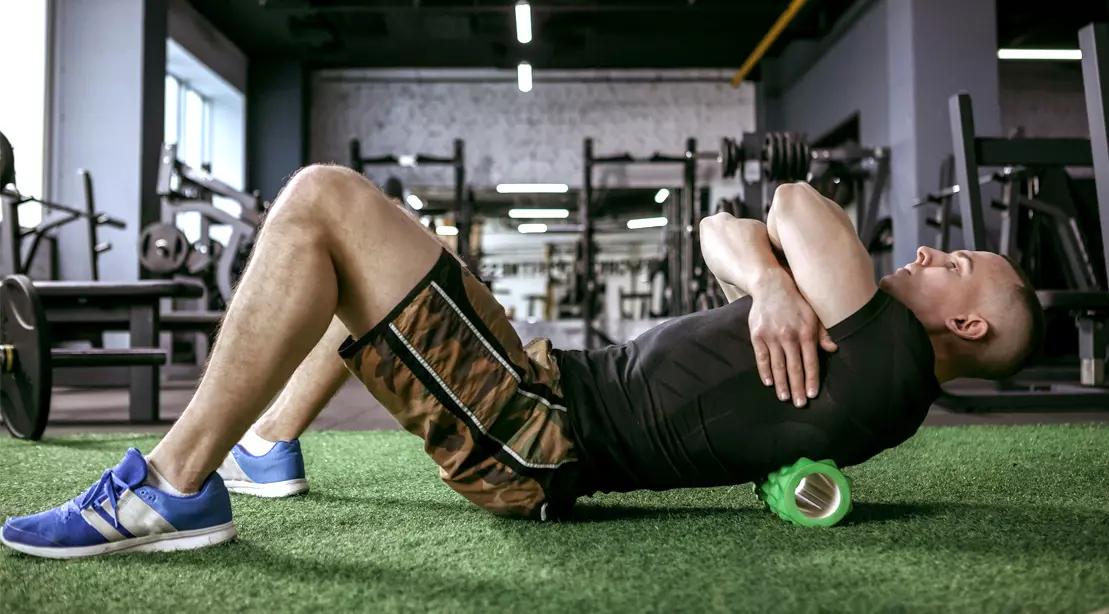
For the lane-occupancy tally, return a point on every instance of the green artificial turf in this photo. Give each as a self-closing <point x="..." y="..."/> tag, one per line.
<point x="978" y="519"/>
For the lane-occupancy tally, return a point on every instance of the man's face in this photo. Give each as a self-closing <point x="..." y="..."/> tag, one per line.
<point x="938" y="286"/>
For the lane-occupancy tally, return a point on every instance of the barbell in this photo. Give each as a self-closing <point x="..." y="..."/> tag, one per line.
<point x="27" y="361"/>
<point x="783" y="156"/>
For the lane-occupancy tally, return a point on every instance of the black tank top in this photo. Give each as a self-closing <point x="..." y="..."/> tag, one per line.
<point x="683" y="405"/>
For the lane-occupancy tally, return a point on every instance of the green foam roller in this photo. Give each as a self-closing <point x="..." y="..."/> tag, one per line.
<point x="807" y="493"/>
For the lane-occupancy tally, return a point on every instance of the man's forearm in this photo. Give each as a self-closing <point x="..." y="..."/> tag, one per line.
<point x="740" y="255"/>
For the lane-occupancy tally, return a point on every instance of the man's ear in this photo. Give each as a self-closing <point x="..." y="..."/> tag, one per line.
<point x="970" y="327"/>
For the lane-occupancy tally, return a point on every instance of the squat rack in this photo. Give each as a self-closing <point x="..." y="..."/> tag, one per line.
<point x="682" y="285"/>
<point x="463" y="206"/>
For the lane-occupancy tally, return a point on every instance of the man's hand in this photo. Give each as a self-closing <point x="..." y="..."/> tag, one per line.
<point x="785" y="333"/>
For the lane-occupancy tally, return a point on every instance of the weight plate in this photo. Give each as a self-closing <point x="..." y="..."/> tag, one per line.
<point x="163" y="248"/>
<point x="729" y="158"/>
<point x="7" y="162"/>
<point x="770" y="157"/>
<point x="25" y="391"/>
<point x="203" y="260"/>
<point x="800" y="164"/>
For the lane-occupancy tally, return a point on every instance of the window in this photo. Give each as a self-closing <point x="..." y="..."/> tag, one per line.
<point x="23" y="47"/>
<point x="188" y="123"/>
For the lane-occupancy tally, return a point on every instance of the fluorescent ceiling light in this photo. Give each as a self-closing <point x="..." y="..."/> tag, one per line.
<point x="523" y="77"/>
<point x="647" y="222"/>
<point x="532" y="188"/>
<point x="539" y="213"/>
<point x="532" y="228"/>
<point x="523" y="22"/>
<point x="662" y="195"/>
<point x="1039" y="54"/>
<point x="446" y="231"/>
<point x="414" y="202"/>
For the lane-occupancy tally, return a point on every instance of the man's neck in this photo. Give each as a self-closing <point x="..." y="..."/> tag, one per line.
<point x="946" y="365"/>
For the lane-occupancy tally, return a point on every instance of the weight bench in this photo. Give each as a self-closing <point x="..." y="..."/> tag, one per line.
<point x="73" y="309"/>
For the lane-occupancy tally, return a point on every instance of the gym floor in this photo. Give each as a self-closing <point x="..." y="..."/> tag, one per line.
<point x="977" y="518"/>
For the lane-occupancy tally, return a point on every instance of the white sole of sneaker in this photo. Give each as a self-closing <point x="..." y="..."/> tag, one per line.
<point x="273" y="490"/>
<point x="161" y="542"/>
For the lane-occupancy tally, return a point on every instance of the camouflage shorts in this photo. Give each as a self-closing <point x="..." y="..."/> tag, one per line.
<point x="447" y="364"/>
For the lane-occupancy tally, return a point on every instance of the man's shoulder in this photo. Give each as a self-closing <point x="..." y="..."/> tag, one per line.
<point x="881" y="313"/>
<point x="884" y="339"/>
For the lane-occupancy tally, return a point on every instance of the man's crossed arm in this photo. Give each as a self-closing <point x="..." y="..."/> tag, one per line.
<point x="826" y="276"/>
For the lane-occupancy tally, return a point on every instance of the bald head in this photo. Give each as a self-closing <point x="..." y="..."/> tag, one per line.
<point x="978" y="307"/>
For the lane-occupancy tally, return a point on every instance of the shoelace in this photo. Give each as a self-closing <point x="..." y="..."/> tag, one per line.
<point x="109" y="484"/>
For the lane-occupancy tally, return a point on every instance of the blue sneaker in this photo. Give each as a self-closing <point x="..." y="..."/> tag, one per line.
<point x="122" y="514"/>
<point x="277" y="473"/>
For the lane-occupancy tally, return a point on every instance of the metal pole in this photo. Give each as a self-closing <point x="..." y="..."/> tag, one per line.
<point x="90" y="223"/>
<point x="463" y="207"/>
<point x="586" y="263"/>
<point x="1094" y="42"/>
<point x="356" y="155"/>
<point x="966" y="172"/>
<point x="689" y="203"/>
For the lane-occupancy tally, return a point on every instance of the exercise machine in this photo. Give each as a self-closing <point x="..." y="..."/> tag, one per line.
<point x="164" y="249"/>
<point x="1089" y="308"/>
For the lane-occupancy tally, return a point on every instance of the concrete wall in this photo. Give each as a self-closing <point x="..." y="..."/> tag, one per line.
<point x="108" y="91"/>
<point x="1046" y="98"/>
<point x="513" y="137"/>
<point x="852" y="77"/>
<point x="896" y="65"/>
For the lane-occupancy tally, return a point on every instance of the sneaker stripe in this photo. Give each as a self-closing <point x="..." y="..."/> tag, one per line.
<point x="104" y="511"/>
<point x="137" y="517"/>
<point x="104" y="527"/>
<point x="230" y="469"/>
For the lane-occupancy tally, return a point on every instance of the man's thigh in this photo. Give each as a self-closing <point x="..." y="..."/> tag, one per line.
<point x="449" y="366"/>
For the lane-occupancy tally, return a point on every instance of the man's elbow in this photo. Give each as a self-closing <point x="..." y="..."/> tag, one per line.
<point x="723" y="222"/>
<point x="788" y="196"/>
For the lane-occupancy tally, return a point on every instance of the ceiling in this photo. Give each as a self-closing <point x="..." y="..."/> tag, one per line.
<point x="569" y="34"/>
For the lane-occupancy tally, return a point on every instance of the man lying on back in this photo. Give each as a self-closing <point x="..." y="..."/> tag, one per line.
<point x="525" y="431"/>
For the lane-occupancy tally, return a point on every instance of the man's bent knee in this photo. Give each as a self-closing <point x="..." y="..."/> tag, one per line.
<point x="320" y="192"/>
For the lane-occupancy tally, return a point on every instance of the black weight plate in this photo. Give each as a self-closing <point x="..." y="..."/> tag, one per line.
<point x="7" y="162"/>
<point x="25" y="392"/>
<point x="163" y="248"/>
<point x="799" y="169"/>
<point x="770" y="157"/>
<point x="729" y="158"/>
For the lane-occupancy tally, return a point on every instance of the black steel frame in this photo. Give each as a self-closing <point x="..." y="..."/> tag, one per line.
<point x="13" y="260"/>
<point x="685" y="225"/>
<point x="463" y="202"/>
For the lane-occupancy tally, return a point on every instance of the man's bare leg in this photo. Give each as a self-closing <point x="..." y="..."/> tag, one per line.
<point x="312" y="385"/>
<point x="332" y="244"/>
